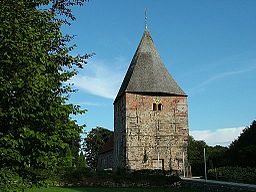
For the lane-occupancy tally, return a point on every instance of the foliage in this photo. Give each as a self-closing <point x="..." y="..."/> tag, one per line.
<point x="196" y="156"/>
<point x="152" y="172"/>
<point x="14" y="183"/>
<point x="75" y="148"/>
<point x="81" y="160"/>
<point x="146" y="177"/>
<point x="74" y="174"/>
<point x="36" y="131"/>
<point x="93" y="144"/>
<point x="84" y="176"/>
<point x="242" y="151"/>
<point x="154" y="177"/>
<point x="100" y="189"/>
<point x="234" y="174"/>
<point x="215" y="156"/>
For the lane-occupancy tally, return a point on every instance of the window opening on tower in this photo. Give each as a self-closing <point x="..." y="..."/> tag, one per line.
<point x="160" y="106"/>
<point x="157" y="107"/>
<point x="154" y="107"/>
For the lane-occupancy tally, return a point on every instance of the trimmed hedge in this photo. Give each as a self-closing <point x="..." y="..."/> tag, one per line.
<point x="234" y="174"/>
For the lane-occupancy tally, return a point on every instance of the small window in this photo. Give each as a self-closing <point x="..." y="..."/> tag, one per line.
<point x="154" y="107"/>
<point x="160" y="106"/>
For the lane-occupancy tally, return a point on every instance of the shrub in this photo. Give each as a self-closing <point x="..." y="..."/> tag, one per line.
<point x="104" y="174"/>
<point x="150" y="172"/>
<point x="154" y="177"/>
<point x="234" y="174"/>
<point x="82" y="175"/>
<point x="74" y="174"/>
<point x="25" y="177"/>
<point x="10" y="181"/>
<point x="146" y="176"/>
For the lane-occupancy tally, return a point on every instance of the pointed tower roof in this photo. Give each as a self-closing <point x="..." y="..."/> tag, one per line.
<point x="147" y="73"/>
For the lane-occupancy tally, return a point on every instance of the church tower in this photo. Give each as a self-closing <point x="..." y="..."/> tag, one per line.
<point x="150" y="115"/>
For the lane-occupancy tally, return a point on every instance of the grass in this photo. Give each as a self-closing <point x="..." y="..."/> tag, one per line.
<point x="94" y="189"/>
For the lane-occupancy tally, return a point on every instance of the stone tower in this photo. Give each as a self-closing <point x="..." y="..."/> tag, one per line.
<point x="150" y="115"/>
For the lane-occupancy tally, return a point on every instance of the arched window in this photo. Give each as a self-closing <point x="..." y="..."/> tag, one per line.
<point x="154" y="107"/>
<point x="160" y="107"/>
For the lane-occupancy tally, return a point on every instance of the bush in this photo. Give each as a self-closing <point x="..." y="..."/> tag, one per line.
<point x="83" y="175"/>
<point x="39" y="177"/>
<point x="74" y="174"/>
<point x="146" y="176"/>
<point x="150" y="172"/>
<point x="154" y="177"/>
<point x="10" y="181"/>
<point x="24" y="177"/>
<point x="104" y="174"/>
<point x="234" y="174"/>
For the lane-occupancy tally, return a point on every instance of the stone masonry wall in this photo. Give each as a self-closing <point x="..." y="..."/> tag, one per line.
<point x="154" y="139"/>
<point x="119" y="133"/>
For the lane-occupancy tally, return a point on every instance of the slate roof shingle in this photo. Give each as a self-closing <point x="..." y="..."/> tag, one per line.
<point x="147" y="73"/>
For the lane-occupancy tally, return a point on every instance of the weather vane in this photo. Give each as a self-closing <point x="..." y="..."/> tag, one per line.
<point x="146" y="19"/>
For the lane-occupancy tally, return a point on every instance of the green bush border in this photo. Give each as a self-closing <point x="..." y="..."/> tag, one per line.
<point x="233" y="174"/>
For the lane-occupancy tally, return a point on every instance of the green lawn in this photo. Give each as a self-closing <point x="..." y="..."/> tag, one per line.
<point x="93" y="189"/>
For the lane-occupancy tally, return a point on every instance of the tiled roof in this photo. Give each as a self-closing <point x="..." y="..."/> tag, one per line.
<point x="109" y="145"/>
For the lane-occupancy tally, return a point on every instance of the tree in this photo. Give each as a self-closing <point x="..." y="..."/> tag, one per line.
<point x="217" y="156"/>
<point x="81" y="160"/>
<point x="93" y="144"/>
<point x="36" y="131"/>
<point x="196" y="156"/>
<point x="242" y="151"/>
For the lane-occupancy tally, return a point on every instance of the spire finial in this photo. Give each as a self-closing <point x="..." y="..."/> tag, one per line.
<point x="146" y="19"/>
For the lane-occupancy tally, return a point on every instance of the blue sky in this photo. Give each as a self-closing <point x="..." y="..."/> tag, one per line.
<point x="208" y="46"/>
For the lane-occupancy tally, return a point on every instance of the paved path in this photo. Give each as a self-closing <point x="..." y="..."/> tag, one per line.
<point x="222" y="183"/>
